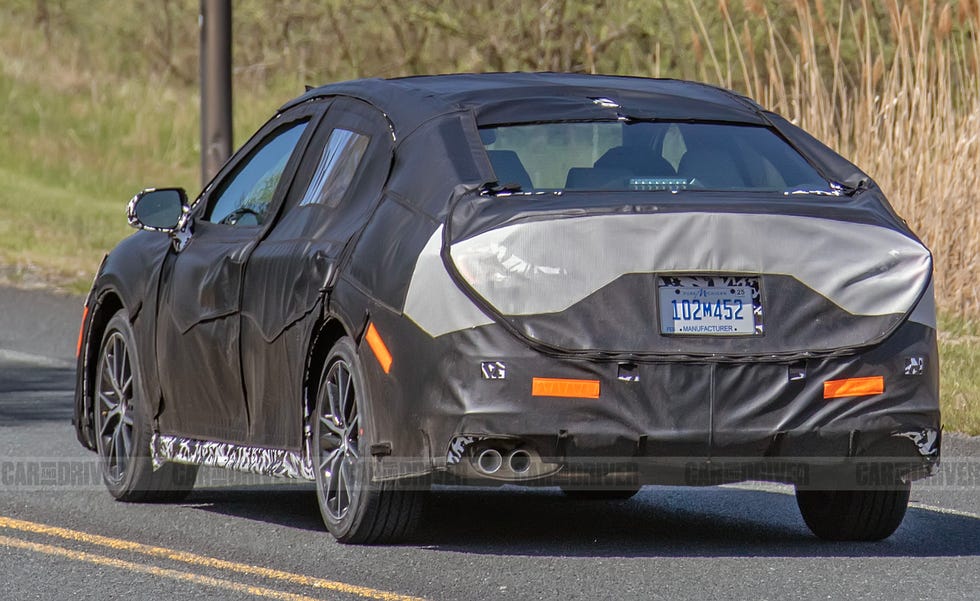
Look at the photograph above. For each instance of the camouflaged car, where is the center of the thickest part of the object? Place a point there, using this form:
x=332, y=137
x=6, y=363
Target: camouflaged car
x=588, y=282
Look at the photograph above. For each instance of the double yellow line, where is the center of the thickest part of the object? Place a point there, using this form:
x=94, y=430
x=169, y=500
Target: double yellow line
x=183, y=557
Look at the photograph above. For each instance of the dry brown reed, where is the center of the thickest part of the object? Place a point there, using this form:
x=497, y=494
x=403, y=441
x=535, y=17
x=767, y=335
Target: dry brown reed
x=907, y=111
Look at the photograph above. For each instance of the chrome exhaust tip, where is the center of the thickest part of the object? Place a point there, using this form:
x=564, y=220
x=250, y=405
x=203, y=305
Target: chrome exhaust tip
x=520, y=461
x=502, y=458
x=489, y=461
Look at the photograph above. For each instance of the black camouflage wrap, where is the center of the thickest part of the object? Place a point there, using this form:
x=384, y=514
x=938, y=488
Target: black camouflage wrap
x=230, y=328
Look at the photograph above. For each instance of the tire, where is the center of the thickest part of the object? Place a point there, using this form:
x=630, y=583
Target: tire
x=355, y=509
x=123, y=427
x=853, y=515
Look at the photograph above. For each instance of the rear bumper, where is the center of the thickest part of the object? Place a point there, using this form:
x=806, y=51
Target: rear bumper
x=857, y=460
x=694, y=423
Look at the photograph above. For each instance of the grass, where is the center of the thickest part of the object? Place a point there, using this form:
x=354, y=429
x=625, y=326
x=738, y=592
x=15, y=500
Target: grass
x=79, y=146
x=100, y=100
x=80, y=142
x=55, y=237
x=959, y=354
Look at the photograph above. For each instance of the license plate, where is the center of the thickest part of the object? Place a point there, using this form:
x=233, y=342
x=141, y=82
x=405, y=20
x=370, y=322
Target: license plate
x=710, y=305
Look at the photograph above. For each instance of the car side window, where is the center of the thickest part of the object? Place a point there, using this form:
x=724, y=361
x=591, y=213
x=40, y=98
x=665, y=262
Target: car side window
x=337, y=167
x=245, y=197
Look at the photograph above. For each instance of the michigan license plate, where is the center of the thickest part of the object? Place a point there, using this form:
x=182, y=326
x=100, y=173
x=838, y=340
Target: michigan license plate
x=710, y=305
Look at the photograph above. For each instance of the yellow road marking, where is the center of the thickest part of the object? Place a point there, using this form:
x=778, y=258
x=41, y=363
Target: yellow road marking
x=200, y=560
x=238, y=587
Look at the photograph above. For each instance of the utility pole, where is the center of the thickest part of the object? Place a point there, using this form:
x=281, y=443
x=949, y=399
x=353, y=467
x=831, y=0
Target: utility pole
x=216, y=134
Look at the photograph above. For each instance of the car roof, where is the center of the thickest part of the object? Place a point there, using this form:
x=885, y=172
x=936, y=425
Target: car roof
x=498, y=98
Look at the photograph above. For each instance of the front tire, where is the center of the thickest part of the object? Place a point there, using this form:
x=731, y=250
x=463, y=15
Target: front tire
x=853, y=515
x=123, y=427
x=356, y=509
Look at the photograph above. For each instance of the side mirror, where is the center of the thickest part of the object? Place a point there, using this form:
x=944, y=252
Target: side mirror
x=158, y=209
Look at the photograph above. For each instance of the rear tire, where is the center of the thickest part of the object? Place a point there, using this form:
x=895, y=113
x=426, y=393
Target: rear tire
x=853, y=515
x=356, y=509
x=123, y=427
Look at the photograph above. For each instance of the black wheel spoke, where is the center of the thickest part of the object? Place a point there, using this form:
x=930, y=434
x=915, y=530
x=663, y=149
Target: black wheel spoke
x=328, y=462
x=332, y=428
x=117, y=451
x=115, y=368
x=126, y=437
x=106, y=426
x=110, y=404
x=347, y=406
x=353, y=420
x=127, y=386
x=343, y=487
x=109, y=442
x=109, y=420
x=332, y=393
x=335, y=484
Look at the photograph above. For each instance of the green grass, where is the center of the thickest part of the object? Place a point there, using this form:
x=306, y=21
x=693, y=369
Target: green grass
x=959, y=365
x=77, y=148
x=54, y=234
x=78, y=145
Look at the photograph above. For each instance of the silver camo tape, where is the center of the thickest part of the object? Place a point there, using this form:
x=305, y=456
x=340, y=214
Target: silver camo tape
x=269, y=462
x=540, y=267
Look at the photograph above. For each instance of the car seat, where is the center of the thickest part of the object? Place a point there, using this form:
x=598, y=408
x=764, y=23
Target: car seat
x=508, y=168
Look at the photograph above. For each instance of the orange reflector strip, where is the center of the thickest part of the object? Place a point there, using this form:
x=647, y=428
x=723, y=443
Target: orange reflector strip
x=81, y=331
x=378, y=347
x=572, y=389
x=835, y=389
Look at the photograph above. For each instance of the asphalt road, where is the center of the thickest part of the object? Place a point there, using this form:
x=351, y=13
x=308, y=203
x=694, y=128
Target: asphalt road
x=237, y=537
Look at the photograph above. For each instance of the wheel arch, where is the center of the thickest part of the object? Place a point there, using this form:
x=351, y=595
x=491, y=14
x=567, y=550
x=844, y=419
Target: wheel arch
x=327, y=331
x=105, y=304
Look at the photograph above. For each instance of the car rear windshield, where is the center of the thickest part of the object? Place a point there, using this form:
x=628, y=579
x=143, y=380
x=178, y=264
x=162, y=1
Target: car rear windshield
x=617, y=155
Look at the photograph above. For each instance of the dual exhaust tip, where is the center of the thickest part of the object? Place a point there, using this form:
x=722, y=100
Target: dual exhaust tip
x=507, y=459
x=490, y=462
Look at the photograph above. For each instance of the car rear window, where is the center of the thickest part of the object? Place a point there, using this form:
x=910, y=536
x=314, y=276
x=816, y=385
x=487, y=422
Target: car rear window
x=617, y=155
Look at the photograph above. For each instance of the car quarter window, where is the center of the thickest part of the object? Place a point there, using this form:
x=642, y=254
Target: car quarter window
x=336, y=168
x=244, y=197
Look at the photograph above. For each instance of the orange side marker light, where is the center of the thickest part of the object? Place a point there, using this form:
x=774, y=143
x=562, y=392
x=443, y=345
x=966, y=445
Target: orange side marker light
x=381, y=352
x=81, y=332
x=569, y=389
x=836, y=389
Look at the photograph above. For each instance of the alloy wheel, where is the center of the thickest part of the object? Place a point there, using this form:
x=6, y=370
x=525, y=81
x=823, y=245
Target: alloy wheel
x=339, y=433
x=114, y=410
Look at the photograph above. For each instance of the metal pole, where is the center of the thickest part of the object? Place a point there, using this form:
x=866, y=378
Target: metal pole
x=216, y=134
